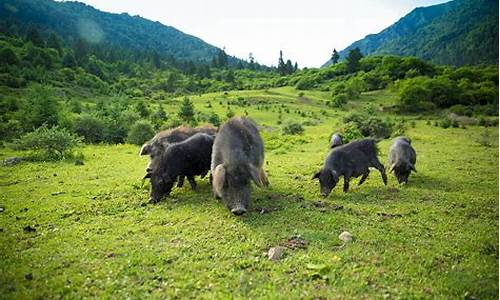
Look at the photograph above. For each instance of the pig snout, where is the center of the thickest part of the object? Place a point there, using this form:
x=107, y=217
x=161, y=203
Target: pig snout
x=239, y=210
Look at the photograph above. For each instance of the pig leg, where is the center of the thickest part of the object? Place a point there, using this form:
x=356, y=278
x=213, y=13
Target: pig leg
x=192, y=182
x=363, y=178
x=180, y=183
x=377, y=165
x=346, y=184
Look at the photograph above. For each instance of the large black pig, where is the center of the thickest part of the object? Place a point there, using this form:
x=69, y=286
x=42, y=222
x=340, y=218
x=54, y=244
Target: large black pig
x=237, y=158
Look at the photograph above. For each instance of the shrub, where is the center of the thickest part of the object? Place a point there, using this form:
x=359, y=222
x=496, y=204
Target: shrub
x=48, y=143
x=340, y=100
x=140, y=132
x=91, y=128
x=370, y=126
x=293, y=129
x=305, y=83
x=350, y=132
x=214, y=119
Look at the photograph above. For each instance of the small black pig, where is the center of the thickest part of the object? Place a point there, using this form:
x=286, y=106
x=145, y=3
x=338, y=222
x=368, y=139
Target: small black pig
x=402, y=159
x=349, y=160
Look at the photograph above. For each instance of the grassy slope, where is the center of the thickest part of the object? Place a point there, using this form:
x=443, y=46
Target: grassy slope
x=438, y=237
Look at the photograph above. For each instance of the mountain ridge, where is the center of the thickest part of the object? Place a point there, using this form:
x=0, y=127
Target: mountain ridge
x=448, y=33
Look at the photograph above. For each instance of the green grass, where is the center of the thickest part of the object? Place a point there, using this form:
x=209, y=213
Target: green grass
x=96, y=236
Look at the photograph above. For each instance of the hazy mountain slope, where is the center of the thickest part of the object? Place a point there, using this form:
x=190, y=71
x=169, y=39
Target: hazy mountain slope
x=457, y=33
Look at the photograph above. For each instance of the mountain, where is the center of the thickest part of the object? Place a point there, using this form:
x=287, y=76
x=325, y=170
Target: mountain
x=459, y=32
x=74, y=20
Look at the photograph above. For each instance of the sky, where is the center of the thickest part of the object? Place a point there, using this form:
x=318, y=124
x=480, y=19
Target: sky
x=306, y=31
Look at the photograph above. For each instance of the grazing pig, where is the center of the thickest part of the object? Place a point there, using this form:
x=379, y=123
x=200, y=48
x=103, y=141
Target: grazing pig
x=336, y=140
x=237, y=158
x=402, y=159
x=349, y=160
x=157, y=145
x=188, y=158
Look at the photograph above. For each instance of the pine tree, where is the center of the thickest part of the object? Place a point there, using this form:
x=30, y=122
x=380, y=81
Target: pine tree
x=281, y=65
x=288, y=67
x=55, y=42
x=33, y=35
x=335, y=56
x=186, y=111
x=353, y=60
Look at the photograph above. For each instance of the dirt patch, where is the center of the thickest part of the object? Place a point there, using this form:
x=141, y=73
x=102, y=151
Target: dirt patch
x=295, y=242
x=304, y=100
x=324, y=206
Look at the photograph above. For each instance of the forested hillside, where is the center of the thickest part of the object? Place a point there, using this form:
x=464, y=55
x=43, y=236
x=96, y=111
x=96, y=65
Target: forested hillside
x=74, y=21
x=459, y=32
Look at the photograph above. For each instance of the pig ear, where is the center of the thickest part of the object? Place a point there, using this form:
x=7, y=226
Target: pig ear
x=148, y=175
x=334, y=174
x=413, y=168
x=146, y=149
x=316, y=175
x=258, y=175
x=218, y=179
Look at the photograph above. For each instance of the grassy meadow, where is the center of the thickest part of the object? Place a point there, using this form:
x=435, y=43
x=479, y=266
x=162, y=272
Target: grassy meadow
x=76, y=231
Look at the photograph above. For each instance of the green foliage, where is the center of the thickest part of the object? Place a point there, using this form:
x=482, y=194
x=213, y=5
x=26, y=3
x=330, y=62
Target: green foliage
x=40, y=108
x=292, y=128
x=370, y=125
x=453, y=33
x=340, y=100
x=140, y=132
x=90, y=127
x=353, y=59
x=186, y=111
x=350, y=132
x=8, y=56
x=48, y=142
x=214, y=119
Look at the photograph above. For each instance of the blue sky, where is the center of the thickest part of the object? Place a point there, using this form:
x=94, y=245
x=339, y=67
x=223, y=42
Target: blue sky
x=306, y=31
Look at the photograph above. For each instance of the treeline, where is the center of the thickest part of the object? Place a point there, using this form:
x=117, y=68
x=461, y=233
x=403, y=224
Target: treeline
x=421, y=86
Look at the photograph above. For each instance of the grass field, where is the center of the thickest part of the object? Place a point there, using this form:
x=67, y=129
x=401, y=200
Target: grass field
x=87, y=231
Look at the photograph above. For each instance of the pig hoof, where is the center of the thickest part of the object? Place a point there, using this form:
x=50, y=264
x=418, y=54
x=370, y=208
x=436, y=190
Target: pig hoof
x=238, y=211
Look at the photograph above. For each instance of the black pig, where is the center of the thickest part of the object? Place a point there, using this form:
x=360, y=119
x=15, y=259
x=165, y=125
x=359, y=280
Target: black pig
x=349, y=160
x=188, y=158
x=402, y=159
x=237, y=158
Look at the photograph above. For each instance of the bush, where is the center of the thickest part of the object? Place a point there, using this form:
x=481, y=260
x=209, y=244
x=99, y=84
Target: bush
x=305, y=83
x=370, y=126
x=350, y=132
x=340, y=100
x=293, y=129
x=48, y=143
x=214, y=119
x=140, y=132
x=91, y=128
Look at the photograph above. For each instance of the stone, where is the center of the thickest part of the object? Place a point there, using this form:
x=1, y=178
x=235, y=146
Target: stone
x=276, y=253
x=346, y=237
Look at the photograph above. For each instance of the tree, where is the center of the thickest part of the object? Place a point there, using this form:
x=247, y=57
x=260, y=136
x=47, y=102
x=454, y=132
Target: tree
x=9, y=57
x=335, y=56
x=251, y=61
x=288, y=67
x=33, y=35
x=186, y=111
x=281, y=65
x=142, y=109
x=55, y=42
x=41, y=108
x=353, y=59
x=69, y=60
